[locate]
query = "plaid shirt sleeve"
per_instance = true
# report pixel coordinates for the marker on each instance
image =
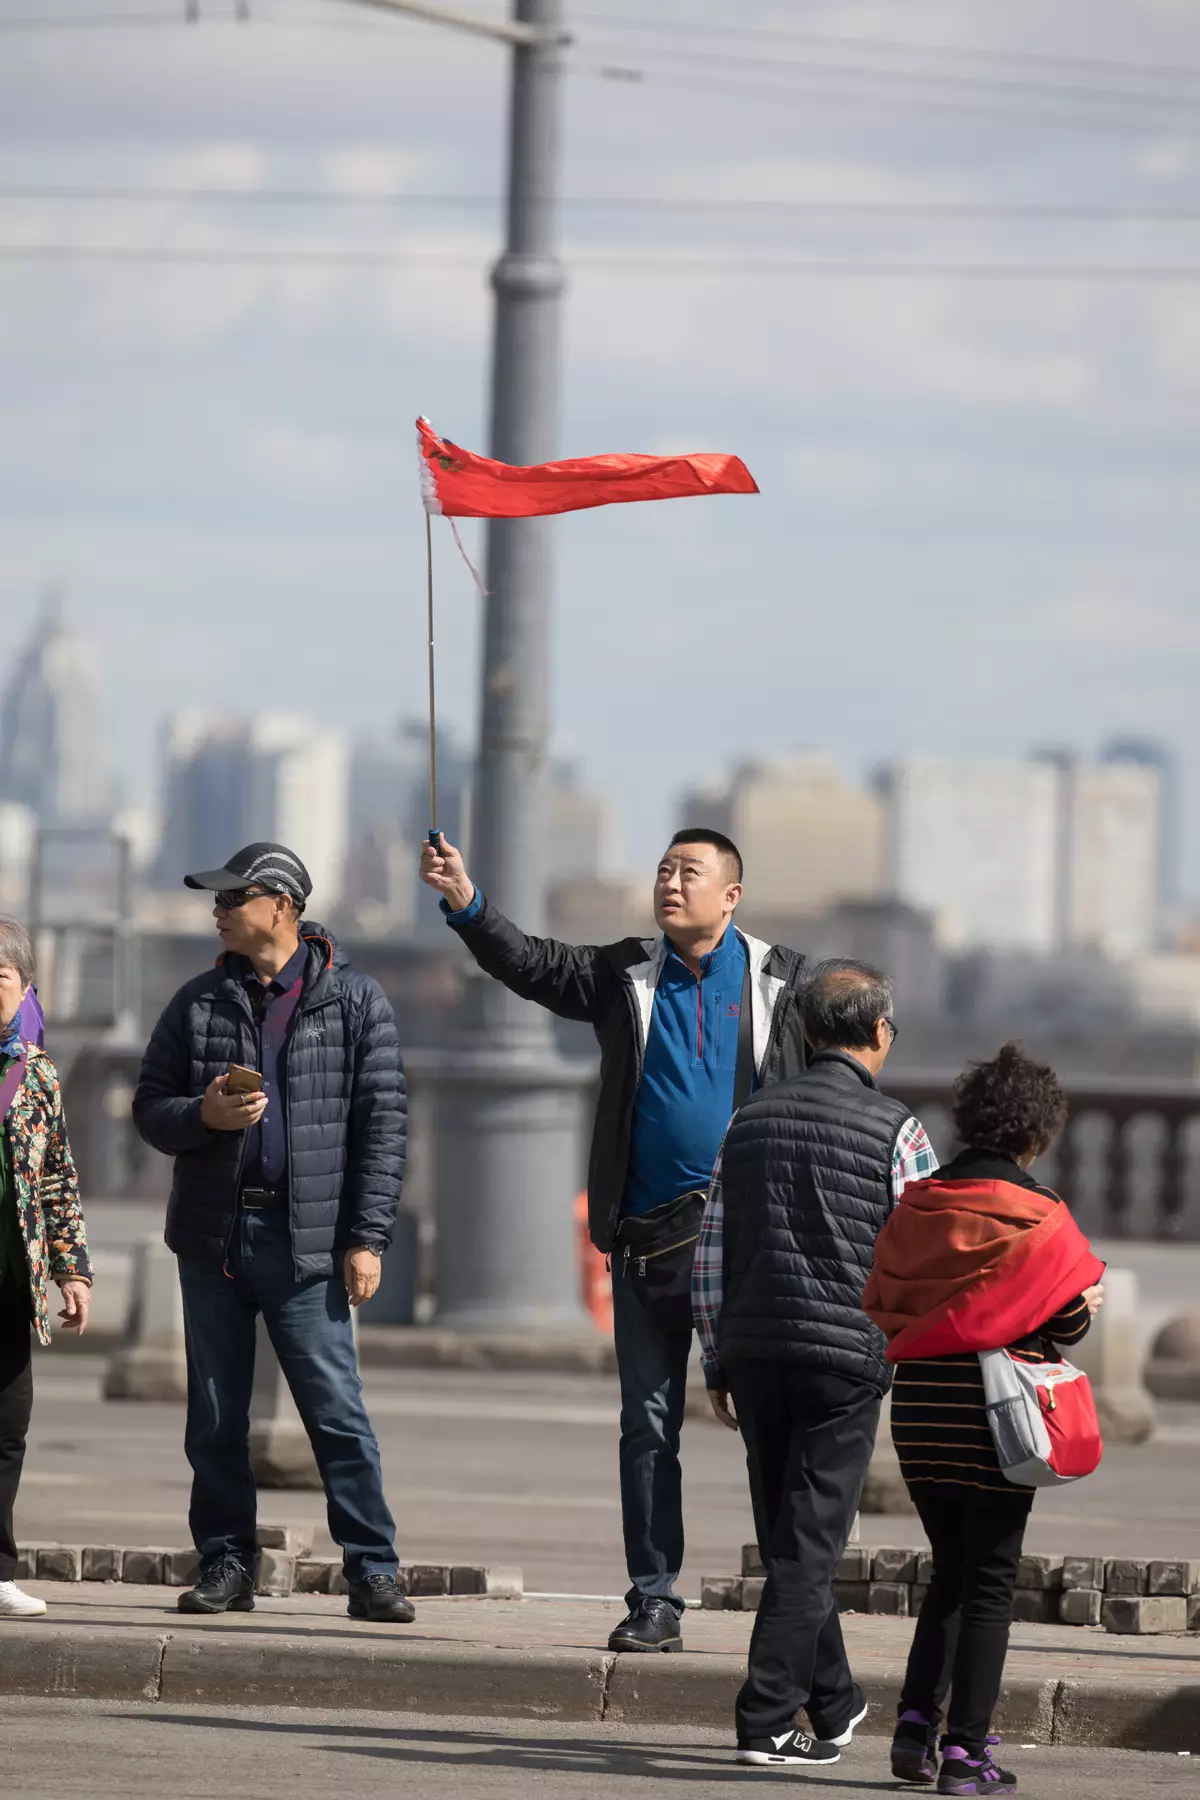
(708, 1280)
(913, 1159)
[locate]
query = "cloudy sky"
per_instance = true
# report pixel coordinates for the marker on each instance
(978, 528)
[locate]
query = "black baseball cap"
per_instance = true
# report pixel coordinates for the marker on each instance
(270, 866)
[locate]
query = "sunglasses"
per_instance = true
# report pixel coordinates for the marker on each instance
(230, 899)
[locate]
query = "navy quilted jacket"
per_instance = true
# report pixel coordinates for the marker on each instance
(346, 1108)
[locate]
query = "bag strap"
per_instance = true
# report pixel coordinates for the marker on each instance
(11, 1082)
(743, 1073)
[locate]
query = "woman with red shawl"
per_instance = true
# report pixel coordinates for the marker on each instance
(979, 1257)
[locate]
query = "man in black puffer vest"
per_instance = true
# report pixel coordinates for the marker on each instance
(808, 1172)
(283, 1201)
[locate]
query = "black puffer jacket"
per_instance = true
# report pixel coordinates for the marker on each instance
(806, 1179)
(346, 1108)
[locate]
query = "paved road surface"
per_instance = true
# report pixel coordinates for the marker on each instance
(510, 1468)
(91, 1748)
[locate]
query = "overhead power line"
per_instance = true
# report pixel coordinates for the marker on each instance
(733, 265)
(733, 205)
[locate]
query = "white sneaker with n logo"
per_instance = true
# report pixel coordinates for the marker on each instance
(790, 1747)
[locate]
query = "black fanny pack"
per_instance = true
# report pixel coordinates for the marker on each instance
(656, 1249)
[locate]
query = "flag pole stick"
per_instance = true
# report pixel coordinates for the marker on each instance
(433, 827)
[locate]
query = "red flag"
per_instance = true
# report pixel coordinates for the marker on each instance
(465, 486)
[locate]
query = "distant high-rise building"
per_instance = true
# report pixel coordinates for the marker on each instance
(808, 837)
(977, 844)
(231, 781)
(54, 755)
(578, 828)
(1047, 854)
(1148, 753)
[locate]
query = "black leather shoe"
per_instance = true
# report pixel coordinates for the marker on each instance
(378, 1598)
(225, 1585)
(650, 1625)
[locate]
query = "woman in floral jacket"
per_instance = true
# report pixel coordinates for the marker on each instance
(41, 1235)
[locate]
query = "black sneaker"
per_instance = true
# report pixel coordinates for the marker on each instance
(858, 1712)
(225, 1585)
(650, 1625)
(790, 1747)
(914, 1750)
(964, 1774)
(378, 1598)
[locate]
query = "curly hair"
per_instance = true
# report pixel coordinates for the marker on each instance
(1011, 1105)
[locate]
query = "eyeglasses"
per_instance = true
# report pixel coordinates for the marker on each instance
(892, 1027)
(230, 899)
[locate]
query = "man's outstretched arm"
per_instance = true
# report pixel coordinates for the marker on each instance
(572, 980)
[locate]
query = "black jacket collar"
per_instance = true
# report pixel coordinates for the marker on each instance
(976, 1164)
(820, 1057)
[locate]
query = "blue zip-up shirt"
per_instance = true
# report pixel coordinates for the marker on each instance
(685, 1097)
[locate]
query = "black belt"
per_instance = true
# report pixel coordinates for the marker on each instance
(262, 1199)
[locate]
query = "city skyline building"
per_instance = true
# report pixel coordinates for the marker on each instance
(54, 745)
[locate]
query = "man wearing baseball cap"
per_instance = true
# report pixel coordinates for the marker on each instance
(283, 1201)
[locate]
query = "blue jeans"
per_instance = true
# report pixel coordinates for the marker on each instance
(309, 1326)
(652, 1365)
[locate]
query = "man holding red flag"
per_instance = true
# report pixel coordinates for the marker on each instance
(688, 1024)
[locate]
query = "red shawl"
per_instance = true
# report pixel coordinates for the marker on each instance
(973, 1265)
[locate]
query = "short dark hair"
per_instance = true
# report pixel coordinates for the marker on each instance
(1011, 1105)
(703, 834)
(842, 1002)
(16, 949)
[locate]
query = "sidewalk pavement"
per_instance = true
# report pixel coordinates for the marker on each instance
(547, 1659)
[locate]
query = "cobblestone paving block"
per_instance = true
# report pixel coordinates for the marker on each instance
(426, 1580)
(1123, 1576)
(313, 1575)
(276, 1574)
(1036, 1606)
(895, 1565)
(60, 1562)
(1144, 1614)
(1040, 1572)
(752, 1588)
(295, 1540)
(144, 1567)
(1173, 1578)
(101, 1562)
(27, 1555)
(751, 1560)
(180, 1568)
(851, 1596)
(721, 1593)
(888, 1597)
(916, 1597)
(468, 1578)
(925, 1568)
(337, 1580)
(1083, 1572)
(1193, 1613)
(505, 1583)
(855, 1564)
(1080, 1606)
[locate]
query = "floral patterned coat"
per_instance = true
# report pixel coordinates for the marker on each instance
(46, 1187)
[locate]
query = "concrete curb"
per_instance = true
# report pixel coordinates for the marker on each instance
(586, 1352)
(570, 1684)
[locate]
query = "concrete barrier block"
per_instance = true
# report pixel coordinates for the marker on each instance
(855, 1564)
(1080, 1606)
(426, 1580)
(752, 1588)
(312, 1575)
(895, 1565)
(144, 1567)
(1173, 1578)
(1036, 1606)
(60, 1562)
(924, 1568)
(1144, 1614)
(294, 1540)
(180, 1568)
(1123, 1576)
(151, 1364)
(916, 1597)
(851, 1596)
(1044, 1572)
(276, 1574)
(888, 1597)
(503, 1583)
(1083, 1572)
(721, 1593)
(751, 1560)
(337, 1581)
(101, 1562)
(1193, 1612)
